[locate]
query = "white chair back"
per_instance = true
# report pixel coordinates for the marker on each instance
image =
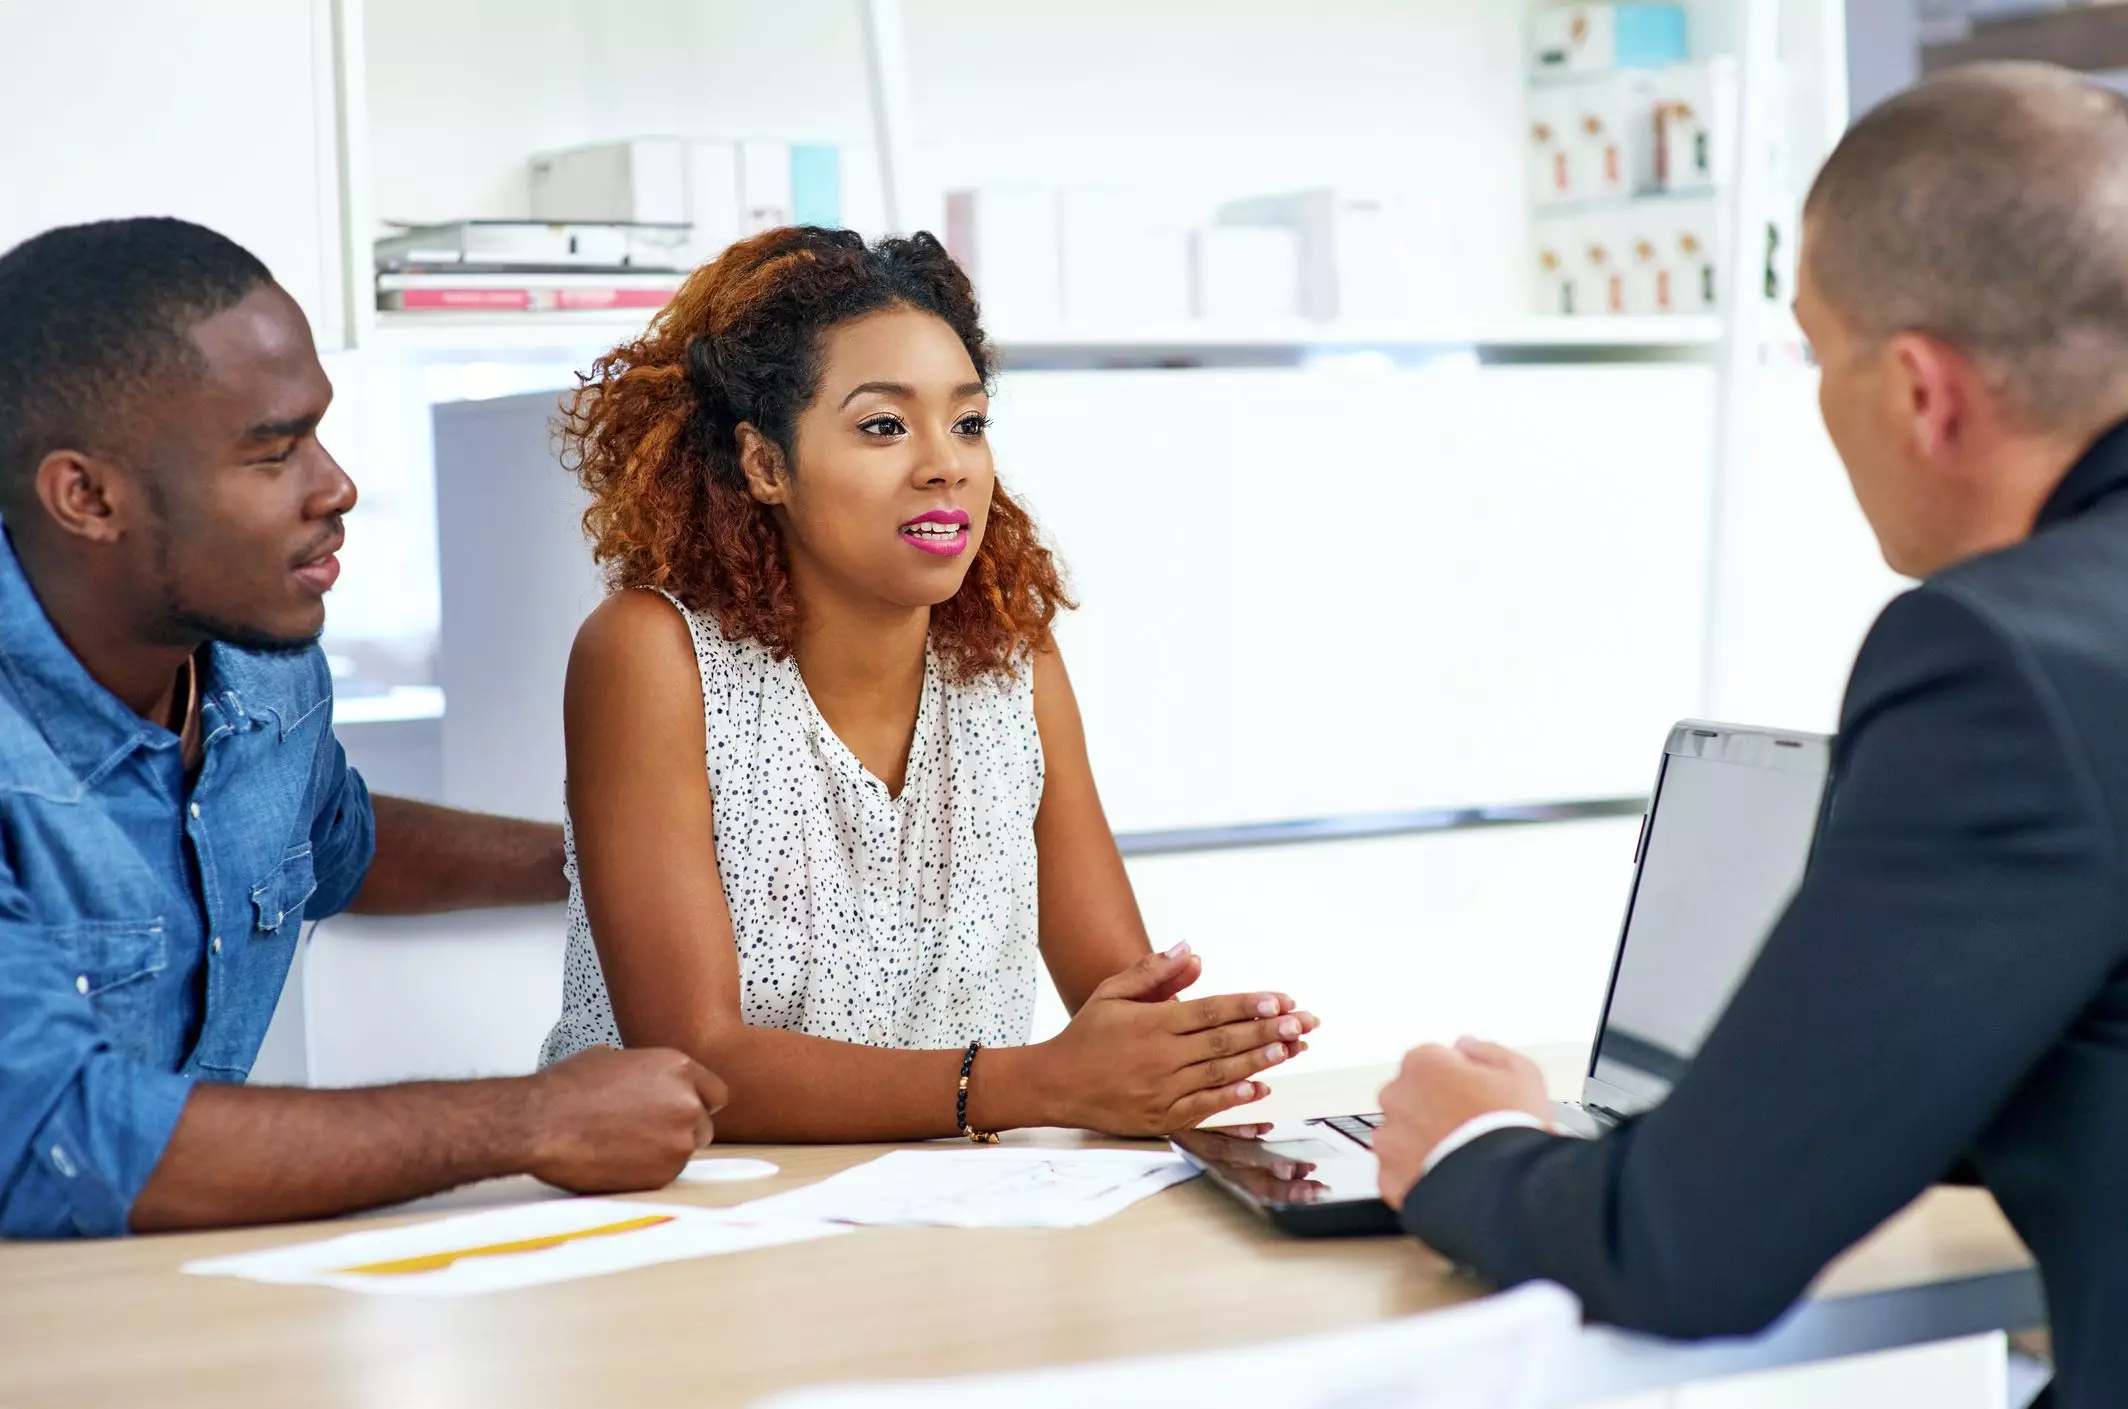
(431, 996)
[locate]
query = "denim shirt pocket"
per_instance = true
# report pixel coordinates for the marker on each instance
(116, 963)
(277, 902)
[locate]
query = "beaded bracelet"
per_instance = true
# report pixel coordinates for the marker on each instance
(960, 1104)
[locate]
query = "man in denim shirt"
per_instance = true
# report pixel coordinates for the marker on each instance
(173, 803)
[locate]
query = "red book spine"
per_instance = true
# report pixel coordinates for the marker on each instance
(491, 300)
(612, 298)
(476, 299)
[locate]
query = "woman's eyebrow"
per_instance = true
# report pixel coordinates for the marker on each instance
(903, 389)
(884, 388)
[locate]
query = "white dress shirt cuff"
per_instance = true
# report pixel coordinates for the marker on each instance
(1478, 1125)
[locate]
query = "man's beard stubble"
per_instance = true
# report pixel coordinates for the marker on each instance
(187, 623)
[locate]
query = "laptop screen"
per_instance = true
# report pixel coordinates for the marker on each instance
(1728, 833)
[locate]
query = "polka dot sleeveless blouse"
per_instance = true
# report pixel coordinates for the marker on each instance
(903, 921)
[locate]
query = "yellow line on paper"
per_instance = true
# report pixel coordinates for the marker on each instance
(437, 1261)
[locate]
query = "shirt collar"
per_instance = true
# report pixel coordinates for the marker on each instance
(2100, 474)
(91, 729)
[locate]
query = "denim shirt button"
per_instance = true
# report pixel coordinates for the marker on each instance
(195, 812)
(81, 984)
(215, 944)
(62, 1162)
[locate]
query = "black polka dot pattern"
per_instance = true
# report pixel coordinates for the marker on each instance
(905, 921)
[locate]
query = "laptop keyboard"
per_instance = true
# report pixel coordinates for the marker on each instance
(1357, 1128)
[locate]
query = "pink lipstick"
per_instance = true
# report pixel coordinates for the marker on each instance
(941, 532)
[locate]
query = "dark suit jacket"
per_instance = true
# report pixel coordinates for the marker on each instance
(1948, 988)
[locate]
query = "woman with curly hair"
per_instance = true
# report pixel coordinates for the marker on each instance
(849, 619)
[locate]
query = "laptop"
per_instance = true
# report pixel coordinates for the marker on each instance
(1722, 847)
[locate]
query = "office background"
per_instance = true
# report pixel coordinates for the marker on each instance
(1456, 556)
(1410, 573)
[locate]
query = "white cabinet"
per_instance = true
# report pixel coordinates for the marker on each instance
(219, 111)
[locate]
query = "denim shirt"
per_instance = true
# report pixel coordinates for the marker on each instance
(147, 921)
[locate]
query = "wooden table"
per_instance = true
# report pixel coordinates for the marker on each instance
(115, 1323)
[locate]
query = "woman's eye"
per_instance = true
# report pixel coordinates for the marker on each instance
(972, 424)
(882, 425)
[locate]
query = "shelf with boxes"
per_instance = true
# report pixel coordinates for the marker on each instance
(1069, 276)
(1350, 224)
(1094, 256)
(1634, 146)
(1299, 342)
(614, 227)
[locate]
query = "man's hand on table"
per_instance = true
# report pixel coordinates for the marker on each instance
(1436, 1091)
(611, 1121)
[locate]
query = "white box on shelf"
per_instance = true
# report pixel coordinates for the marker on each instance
(1006, 238)
(1600, 274)
(1648, 251)
(1699, 251)
(1122, 264)
(1556, 245)
(1696, 114)
(764, 185)
(1596, 38)
(639, 180)
(479, 244)
(1551, 130)
(713, 198)
(1695, 231)
(1245, 272)
(1612, 134)
(864, 197)
(1393, 266)
(1355, 257)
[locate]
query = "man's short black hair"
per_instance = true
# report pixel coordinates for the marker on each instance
(93, 320)
(1988, 206)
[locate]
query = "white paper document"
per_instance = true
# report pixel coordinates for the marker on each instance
(506, 1248)
(992, 1186)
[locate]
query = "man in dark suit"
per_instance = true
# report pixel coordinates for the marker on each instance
(1949, 987)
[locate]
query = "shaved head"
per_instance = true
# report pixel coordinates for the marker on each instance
(1988, 207)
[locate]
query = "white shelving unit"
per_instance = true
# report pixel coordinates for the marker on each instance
(1464, 58)
(859, 90)
(460, 337)
(1534, 333)
(419, 110)
(476, 336)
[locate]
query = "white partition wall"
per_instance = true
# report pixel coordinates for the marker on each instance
(1804, 576)
(1398, 940)
(440, 996)
(517, 580)
(1312, 593)
(1305, 594)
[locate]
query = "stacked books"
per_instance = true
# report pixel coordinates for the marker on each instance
(512, 266)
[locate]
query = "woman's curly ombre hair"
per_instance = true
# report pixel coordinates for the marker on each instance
(651, 431)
